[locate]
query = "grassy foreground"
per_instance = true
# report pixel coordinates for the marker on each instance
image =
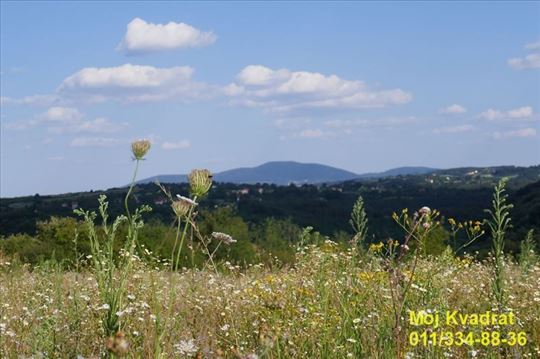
(333, 303)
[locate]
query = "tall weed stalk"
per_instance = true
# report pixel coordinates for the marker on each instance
(112, 260)
(499, 223)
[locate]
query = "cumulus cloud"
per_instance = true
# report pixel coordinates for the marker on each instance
(283, 90)
(143, 37)
(126, 76)
(180, 145)
(94, 142)
(520, 113)
(453, 110)
(131, 83)
(522, 133)
(453, 129)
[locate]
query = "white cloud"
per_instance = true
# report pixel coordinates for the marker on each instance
(183, 144)
(283, 90)
(522, 133)
(132, 83)
(453, 109)
(126, 76)
(311, 133)
(294, 127)
(531, 61)
(98, 125)
(142, 36)
(454, 129)
(37, 100)
(492, 114)
(62, 114)
(533, 46)
(60, 120)
(260, 75)
(520, 113)
(94, 142)
(379, 122)
(19, 125)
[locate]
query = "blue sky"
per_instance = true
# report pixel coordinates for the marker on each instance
(361, 86)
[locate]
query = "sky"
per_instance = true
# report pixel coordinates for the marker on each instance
(364, 86)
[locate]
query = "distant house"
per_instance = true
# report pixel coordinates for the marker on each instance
(160, 201)
(74, 205)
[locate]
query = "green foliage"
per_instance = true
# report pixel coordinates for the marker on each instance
(527, 255)
(112, 268)
(275, 238)
(227, 221)
(53, 240)
(359, 222)
(436, 241)
(499, 223)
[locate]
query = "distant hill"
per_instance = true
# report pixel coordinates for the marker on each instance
(400, 171)
(286, 172)
(283, 173)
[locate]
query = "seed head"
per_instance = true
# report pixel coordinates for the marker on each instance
(425, 211)
(182, 205)
(140, 148)
(200, 182)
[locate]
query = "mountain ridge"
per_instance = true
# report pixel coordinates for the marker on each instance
(287, 172)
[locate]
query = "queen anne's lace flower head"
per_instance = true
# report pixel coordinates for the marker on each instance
(225, 238)
(140, 148)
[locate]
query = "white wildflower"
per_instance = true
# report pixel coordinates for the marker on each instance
(186, 347)
(225, 238)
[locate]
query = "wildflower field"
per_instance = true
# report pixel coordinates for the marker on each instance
(335, 300)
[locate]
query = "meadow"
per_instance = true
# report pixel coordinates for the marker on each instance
(335, 299)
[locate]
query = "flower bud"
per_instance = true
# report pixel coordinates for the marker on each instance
(182, 206)
(140, 148)
(200, 182)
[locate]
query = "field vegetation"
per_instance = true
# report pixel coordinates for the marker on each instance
(206, 287)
